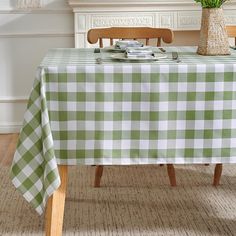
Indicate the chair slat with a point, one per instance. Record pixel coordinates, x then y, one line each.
111 42
100 43
158 42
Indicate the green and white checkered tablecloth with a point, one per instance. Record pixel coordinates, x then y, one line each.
119 113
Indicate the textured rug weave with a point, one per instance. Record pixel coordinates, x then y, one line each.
133 200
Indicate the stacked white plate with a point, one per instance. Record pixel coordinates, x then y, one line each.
123 44
139 52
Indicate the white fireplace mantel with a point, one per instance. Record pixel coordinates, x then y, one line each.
179 15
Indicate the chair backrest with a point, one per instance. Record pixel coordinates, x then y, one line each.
231 31
161 34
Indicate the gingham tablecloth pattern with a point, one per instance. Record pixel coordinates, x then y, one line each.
119 113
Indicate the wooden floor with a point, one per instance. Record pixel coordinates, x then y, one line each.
7 148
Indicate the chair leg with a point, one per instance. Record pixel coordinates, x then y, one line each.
98 176
171 174
217 174
55 206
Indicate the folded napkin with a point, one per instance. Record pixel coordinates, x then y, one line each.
123 44
139 52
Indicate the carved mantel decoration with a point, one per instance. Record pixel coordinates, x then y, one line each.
179 15
28 4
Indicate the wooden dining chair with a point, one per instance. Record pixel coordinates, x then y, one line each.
121 33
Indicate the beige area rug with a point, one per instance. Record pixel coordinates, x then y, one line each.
134 200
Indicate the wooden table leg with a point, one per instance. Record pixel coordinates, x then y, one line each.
55 206
98 176
217 174
171 173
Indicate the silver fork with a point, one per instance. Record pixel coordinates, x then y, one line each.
98 58
175 57
162 50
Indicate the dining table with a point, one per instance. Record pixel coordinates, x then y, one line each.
89 107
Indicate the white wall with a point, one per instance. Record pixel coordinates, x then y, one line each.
25 37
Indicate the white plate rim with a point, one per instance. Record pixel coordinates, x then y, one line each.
121 56
112 48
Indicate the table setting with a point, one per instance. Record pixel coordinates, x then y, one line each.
134 54
133 50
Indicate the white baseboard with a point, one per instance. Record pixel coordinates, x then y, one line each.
13 127
13 99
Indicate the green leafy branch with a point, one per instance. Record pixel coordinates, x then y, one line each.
211 3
